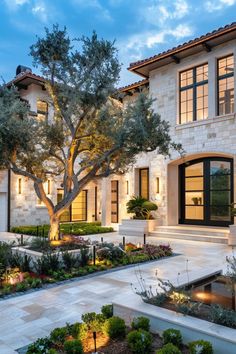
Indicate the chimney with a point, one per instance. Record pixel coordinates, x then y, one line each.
22 69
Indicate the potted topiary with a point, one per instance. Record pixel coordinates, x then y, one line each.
143 221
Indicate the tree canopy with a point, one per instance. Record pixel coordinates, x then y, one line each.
92 134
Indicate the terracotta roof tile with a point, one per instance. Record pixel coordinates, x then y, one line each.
134 85
204 37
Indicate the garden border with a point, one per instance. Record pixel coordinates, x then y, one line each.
83 277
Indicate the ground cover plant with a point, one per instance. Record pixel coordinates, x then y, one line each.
192 300
68 258
111 335
78 228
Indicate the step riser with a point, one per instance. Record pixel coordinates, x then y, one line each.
192 232
213 239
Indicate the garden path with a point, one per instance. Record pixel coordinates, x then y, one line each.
25 318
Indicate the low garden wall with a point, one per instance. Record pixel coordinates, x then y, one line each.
222 338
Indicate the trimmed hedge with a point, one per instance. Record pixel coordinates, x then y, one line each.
79 228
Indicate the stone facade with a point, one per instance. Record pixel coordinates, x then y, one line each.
211 137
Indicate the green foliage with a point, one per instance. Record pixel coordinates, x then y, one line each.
58 335
79 228
17 260
73 347
223 316
79 330
107 311
5 254
139 341
115 327
141 207
141 323
200 347
47 263
94 321
173 336
41 346
84 256
108 251
69 260
169 348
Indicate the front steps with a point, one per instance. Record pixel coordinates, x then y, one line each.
192 233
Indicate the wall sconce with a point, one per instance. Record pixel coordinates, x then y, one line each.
19 185
157 185
48 186
127 187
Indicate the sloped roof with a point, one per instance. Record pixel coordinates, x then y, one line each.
24 79
204 42
134 85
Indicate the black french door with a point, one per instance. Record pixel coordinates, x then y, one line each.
206 192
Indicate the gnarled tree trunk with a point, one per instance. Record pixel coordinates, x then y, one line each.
54 230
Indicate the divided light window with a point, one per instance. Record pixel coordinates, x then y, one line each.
194 94
225 76
42 110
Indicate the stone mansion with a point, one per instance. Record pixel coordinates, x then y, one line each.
193 87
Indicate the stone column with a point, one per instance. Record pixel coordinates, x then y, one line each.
106 202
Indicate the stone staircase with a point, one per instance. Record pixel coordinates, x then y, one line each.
192 233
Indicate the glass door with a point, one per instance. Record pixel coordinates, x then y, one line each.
206 192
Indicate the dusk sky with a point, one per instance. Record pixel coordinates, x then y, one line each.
141 28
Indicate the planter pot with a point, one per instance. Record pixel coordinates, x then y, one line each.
134 227
232 235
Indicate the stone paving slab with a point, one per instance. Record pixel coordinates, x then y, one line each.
25 318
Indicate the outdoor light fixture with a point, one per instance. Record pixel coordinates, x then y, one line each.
49 186
127 187
95 341
19 185
157 185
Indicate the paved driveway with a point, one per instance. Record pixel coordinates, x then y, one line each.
25 318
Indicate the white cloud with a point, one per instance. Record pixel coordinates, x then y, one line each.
159 11
13 5
151 38
212 6
39 10
96 5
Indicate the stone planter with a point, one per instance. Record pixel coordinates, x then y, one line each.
134 227
232 235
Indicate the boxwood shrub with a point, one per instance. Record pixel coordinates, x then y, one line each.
200 347
139 341
173 336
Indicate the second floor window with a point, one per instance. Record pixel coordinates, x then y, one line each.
194 94
42 110
225 71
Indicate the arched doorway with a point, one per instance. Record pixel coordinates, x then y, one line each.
206 191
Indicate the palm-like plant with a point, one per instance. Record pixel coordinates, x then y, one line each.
141 207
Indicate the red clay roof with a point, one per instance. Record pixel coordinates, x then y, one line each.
183 46
24 76
133 85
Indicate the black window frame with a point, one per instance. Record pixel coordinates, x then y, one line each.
222 77
43 113
194 86
115 215
60 192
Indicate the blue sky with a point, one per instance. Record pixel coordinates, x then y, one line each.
141 27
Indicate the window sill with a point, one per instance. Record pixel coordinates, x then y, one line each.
215 119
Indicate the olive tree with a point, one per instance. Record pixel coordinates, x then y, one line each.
92 134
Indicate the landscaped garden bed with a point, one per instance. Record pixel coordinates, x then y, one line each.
66 259
212 299
108 334
78 228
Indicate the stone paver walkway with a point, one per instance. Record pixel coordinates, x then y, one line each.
25 318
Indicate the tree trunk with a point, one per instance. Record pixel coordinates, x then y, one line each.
54 231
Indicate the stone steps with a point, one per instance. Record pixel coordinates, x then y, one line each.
192 233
